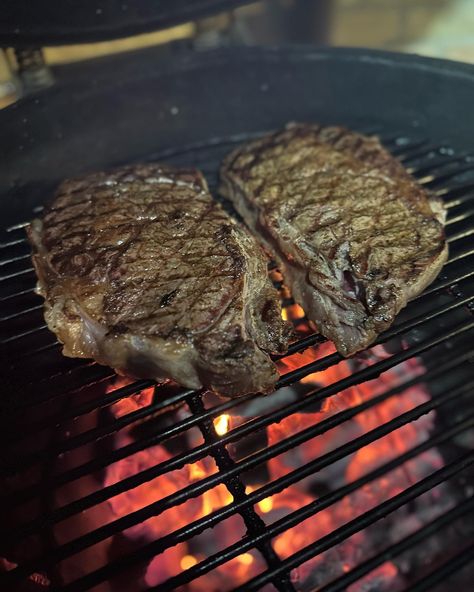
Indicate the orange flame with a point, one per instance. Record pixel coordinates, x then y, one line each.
293 312
266 504
221 424
188 561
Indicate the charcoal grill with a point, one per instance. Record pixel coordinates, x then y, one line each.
421 109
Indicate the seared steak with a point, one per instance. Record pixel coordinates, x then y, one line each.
355 234
143 271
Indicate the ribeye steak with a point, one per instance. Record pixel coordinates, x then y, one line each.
355 234
143 271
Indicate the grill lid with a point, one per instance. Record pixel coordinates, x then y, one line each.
24 23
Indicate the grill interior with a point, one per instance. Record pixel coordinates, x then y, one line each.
57 409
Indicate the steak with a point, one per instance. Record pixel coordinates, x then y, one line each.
141 270
355 235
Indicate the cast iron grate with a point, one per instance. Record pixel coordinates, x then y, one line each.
47 390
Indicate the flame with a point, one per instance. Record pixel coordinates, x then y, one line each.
187 561
196 471
221 424
246 559
266 504
292 313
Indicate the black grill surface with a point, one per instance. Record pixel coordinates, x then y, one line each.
54 407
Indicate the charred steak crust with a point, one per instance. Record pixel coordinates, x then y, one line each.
355 234
143 271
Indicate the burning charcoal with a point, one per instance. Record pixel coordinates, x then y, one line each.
384 578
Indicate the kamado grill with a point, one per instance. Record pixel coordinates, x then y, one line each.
355 474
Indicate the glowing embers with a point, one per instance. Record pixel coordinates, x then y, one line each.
292 312
310 491
318 486
183 555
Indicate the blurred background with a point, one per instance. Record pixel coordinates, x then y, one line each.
437 28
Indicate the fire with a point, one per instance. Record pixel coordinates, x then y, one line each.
221 424
321 569
196 471
187 561
293 312
266 504
246 559
129 404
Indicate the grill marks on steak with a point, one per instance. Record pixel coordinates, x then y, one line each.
355 234
143 271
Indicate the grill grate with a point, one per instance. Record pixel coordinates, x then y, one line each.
48 391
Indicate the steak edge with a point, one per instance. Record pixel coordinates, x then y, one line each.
355 235
141 270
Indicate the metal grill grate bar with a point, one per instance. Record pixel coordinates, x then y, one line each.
460 235
95 375
462 255
445 283
11 276
14 259
12 243
287 379
415 153
110 398
409 151
17 294
24 334
456 190
117 424
467 215
18 226
105 460
21 313
440 162
254 524
458 201
441 178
